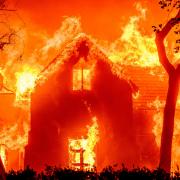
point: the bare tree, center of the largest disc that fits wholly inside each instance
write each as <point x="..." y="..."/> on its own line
<point x="170" y="6"/>
<point x="5" y="37"/>
<point x="172" y="94"/>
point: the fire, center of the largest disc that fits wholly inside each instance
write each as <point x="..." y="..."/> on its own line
<point x="158" y="119"/>
<point x="3" y="155"/>
<point x="81" y="151"/>
<point x="134" y="48"/>
<point x="92" y="139"/>
<point x="43" y="49"/>
<point x="157" y="130"/>
<point x="25" y="83"/>
<point x="14" y="137"/>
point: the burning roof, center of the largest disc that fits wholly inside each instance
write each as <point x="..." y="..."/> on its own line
<point x="71" y="51"/>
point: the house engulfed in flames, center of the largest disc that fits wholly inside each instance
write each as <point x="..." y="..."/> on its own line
<point x="72" y="92"/>
<point x="83" y="114"/>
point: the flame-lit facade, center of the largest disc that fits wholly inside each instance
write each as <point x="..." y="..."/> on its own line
<point x="120" y="83"/>
<point x="69" y="93"/>
<point x="61" y="111"/>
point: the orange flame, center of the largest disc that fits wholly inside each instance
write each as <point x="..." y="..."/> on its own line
<point x="157" y="130"/>
<point x="3" y="155"/>
<point x="85" y="146"/>
<point x="25" y="83"/>
<point x="132" y="48"/>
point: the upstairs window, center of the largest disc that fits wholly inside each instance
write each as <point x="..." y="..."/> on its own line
<point x="81" y="77"/>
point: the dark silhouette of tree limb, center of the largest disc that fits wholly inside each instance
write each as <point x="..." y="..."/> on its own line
<point x="172" y="94"/>
<point x="6" y="39"/>
<point x="170" y="6"/>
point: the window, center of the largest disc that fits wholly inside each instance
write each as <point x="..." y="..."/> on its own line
<point x="81" y="79"/>
<point x="77" y="148"/>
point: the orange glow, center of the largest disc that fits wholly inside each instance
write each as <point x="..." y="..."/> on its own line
<point x="84" y="147"/>
<point x="25" y="83"/>
<point x="157" y="129"/>
<point x="134" y="48"/>
<point x="36" y="46"/>
<point x="81" y="79"/>
<point x="3" y="155"/>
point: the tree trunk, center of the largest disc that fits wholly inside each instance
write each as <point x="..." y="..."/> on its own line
<point x="168" y="122"/>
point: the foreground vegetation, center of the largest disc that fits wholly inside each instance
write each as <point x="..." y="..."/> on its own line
<point x="109" y="173"/>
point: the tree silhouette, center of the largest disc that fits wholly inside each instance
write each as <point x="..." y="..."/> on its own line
<point x="6" y="37"/>
<point x="172" y="94"/>
<point x="170" y="6"/>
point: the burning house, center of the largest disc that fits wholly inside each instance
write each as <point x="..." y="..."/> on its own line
<point x="89" y="106"/>
<point x="76" y="89"/>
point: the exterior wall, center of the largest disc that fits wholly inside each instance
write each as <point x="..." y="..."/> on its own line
<point x="148" y="111"/>
<point x="58" y="113"/>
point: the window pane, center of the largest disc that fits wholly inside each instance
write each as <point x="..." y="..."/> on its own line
<point x="77" y="79"/>
<point x="86" y="79"/>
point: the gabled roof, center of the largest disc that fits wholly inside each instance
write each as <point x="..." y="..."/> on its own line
<point x="71" y="50"/>
<point x="152" y="86"/>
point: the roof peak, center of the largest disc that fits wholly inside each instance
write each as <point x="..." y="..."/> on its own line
<point x="72" y="52"/>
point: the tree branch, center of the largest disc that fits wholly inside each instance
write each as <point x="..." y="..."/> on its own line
<point x="7" y="41"/>
<point x="170" y="24"/>
<point x="160" y="35"/>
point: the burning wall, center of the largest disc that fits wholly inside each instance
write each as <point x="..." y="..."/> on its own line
<point x="133" y="48"/>
<point x="58" y="113"/>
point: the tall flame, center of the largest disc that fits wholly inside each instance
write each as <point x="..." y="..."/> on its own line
<point x="92" y="139"/>
<point x="25" y="84"/>
<point x="3" y="155"/>
<point x="86" y="147"/>
<point x="157" y="130"/>
<point x="133" y="47"/>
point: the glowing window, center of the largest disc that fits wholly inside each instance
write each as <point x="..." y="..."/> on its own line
<point x="81" y="79"/>
<point x="77" y="147"/>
